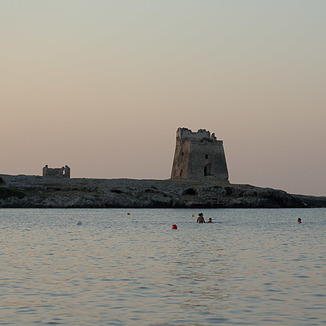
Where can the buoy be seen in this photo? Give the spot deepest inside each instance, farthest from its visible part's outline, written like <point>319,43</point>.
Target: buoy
<point>128,213</point>
<point>193,215</point>
<point>174,227</point>
<point>79,223</point>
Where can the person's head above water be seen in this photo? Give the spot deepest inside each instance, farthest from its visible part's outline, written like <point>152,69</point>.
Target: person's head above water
<point>200,218</point>
<point>299,220</point>
<point>210,220</point>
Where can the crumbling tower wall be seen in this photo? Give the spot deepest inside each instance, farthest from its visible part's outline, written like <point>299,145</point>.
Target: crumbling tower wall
<point>63,172</point>
<point>199,155</point>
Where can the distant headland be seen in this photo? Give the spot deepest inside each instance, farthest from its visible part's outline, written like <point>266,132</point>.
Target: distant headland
<point>199,178</point>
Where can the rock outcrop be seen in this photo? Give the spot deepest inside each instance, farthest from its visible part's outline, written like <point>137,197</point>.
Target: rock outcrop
<point>38,192</point>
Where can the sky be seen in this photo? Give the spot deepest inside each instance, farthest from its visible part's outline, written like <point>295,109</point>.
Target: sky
<point>103,86</point>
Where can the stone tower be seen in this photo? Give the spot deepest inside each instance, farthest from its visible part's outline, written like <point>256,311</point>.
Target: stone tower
<point>199,155</point>
<point>63,172</point>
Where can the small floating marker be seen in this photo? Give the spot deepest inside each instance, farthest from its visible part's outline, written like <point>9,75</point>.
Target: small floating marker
<point>128,213</point>
<point>174,227</point>
<point>79,223</point>
<point>193,215</point>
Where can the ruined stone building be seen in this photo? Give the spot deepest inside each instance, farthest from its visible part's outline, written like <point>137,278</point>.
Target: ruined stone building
<point>63,172</point>
<point>199,155</point>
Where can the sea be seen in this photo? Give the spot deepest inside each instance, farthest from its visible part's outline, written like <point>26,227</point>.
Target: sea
<point>129,267</point>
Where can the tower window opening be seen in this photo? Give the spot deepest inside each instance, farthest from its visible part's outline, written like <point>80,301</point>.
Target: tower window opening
<point>208,170</point>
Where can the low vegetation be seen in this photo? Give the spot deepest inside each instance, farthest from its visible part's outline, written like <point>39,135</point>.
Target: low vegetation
<point>6,193</point>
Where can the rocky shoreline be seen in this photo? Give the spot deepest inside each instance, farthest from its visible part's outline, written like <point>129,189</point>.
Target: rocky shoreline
<point>23,191</point>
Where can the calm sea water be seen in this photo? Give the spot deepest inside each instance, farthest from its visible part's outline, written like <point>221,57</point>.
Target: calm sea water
<point>250,267</point>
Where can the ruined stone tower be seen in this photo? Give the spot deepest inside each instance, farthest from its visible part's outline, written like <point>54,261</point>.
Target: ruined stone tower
<point>63,172</point>
<point>199,155</point>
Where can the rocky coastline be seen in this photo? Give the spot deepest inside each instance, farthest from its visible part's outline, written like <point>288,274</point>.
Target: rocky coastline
<point>23,191</point>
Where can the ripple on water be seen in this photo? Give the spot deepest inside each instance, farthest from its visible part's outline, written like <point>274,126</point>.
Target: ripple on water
<point>253,267</point>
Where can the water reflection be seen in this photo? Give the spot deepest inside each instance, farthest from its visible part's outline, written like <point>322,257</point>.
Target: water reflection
<point>254,267</point>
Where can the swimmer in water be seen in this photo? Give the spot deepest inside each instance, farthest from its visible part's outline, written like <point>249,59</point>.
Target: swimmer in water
<point>210,220</point>
<point>299,220</point>
<point>200,218</point>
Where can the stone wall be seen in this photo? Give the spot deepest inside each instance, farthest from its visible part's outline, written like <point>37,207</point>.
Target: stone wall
<point>199,155</point>
<point>63,172</point>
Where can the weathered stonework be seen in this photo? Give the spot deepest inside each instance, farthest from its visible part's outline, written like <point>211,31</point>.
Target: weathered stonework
<point>199,155</point>
<point>63,172</point>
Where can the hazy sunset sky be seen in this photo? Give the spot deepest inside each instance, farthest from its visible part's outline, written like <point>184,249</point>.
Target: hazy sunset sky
<point>102,86</point>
